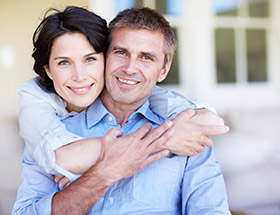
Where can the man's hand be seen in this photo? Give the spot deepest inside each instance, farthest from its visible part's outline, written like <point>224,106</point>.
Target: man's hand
<point>123,156</point>
<point>191,131</point>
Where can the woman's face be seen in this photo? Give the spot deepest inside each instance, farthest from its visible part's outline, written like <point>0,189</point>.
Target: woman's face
<point>77,70</point>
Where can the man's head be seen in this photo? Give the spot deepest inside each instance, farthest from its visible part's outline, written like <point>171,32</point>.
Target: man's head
<point>141,48</point>
<point>146,18</point>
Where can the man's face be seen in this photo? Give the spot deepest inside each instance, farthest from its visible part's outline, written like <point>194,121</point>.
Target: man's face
<point>134,65</point>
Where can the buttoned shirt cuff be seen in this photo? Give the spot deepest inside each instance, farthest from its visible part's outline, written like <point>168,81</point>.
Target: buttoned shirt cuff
<point>174,109</point>
<point>44,206</point>
<point>45,152</point>
<point>57,138</point>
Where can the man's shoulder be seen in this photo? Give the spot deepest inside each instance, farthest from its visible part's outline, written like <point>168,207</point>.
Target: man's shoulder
<point>149,114</point>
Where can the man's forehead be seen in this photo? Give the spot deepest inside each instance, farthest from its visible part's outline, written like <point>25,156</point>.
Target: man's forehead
<point>143,39</point>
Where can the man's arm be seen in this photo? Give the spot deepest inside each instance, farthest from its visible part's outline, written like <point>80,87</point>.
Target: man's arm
<point>203,187</point>
<point>121,157</point>
<point>35,193</point>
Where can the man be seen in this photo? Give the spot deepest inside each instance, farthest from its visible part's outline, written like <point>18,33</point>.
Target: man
<point>140,54</point>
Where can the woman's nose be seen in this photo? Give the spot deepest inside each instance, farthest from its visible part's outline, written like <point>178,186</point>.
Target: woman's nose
<point>79,74</point>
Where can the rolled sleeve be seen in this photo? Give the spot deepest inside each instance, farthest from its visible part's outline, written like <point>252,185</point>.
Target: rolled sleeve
<point>40,124</point>
<point>169,104</point>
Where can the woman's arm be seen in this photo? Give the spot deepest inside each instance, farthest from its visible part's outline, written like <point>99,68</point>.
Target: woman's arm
<point>79,156</point>
<point>192,129</point>
<point>169,104</point>
<point>44,134</point>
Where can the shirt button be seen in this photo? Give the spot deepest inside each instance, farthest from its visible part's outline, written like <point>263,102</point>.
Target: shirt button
<point>111,200</point>
<point>110,118</point>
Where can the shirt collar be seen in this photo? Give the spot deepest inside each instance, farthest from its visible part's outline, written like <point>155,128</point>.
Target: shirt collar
<point>97,111</point>
<point>146,112</point>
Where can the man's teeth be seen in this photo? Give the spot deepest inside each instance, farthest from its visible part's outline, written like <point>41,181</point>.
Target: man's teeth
<point>127,81</point>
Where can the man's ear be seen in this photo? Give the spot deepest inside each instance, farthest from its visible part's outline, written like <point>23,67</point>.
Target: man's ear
<point>164,71</point>
<point>47,69</point>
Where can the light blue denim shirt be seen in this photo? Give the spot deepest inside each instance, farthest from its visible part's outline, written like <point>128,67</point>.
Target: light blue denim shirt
<point>43,132</point>
<point>172,185</point>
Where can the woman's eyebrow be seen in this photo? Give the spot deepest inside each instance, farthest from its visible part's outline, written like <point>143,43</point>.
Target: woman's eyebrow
<point>91,53</point>
<point>63,57</point>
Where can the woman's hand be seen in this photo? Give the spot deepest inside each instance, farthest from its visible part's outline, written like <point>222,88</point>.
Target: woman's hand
<point>62,180</point>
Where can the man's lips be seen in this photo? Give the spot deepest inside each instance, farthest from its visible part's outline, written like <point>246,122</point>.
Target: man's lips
<point>127,81</point>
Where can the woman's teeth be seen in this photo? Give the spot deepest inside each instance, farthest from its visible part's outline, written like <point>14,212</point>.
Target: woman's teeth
<point>80,89</point>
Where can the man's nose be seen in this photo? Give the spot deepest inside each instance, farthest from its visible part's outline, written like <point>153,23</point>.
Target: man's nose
<point>130,66</point>
<point>79,73</point>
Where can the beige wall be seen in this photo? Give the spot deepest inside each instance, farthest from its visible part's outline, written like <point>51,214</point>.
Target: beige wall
<point>18,20</point>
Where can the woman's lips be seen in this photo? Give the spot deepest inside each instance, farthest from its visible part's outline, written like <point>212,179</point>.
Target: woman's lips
<point>81,90</point>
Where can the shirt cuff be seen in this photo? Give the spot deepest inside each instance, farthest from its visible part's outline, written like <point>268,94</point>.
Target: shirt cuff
<point>44,206</point>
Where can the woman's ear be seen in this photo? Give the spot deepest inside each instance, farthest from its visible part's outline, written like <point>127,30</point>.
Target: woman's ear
<point>47,69</point>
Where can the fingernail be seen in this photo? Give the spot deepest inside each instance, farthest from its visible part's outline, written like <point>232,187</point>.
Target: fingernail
<point>166,152</point>
<point>169,123</point>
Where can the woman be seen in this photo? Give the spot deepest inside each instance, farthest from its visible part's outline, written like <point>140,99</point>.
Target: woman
<point>69,50</point>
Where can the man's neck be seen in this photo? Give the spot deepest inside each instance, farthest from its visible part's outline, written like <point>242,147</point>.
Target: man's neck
<point>120,111</point>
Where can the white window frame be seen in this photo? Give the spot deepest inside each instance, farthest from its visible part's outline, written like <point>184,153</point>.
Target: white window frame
<point>196,29</point>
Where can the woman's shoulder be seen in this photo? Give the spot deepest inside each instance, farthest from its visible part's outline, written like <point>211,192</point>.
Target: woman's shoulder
<point>31,86</point>
<point>31,89</point>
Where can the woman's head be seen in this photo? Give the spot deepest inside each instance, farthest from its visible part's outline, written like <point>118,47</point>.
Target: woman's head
<point>72,19</point>
<point>59,57</point>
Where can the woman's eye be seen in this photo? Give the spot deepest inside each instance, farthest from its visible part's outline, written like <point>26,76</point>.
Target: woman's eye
<point>63,63</point>
<point>90,59</point>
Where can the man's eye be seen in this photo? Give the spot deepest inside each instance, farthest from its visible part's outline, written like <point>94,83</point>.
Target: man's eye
<point>120,52</point>
<point>146,57</point>
<point>90,59</point>
<point>63,62</point>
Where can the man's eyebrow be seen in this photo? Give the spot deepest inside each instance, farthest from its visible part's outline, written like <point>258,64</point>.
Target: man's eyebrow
<point>151,54</point>
<point>119,48</point>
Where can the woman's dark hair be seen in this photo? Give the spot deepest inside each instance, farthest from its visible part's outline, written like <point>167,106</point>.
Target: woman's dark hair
<point>72,19</point>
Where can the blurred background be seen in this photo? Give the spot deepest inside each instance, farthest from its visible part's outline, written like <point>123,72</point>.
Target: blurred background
<point>228,55</point>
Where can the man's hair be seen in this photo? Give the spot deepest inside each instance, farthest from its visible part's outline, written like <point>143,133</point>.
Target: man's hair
<point>71,20</point>
<point>149,19</point>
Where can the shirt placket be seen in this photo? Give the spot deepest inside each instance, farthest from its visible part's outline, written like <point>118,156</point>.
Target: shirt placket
<point>111,201</point>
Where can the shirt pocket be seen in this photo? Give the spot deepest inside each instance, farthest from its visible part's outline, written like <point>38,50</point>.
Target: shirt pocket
<point>158,185</point>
